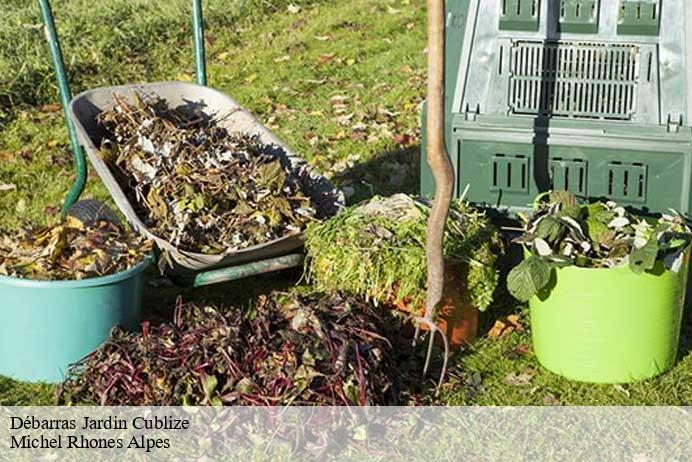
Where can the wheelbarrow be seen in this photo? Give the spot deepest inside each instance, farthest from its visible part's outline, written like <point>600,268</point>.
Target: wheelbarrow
<point>190,268</point>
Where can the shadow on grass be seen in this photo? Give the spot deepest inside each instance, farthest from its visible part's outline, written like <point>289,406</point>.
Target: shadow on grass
<point>159,302</point>
<point>391,172</point>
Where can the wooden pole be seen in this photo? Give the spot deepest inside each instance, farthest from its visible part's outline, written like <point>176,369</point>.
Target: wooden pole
<point>438,159</point>
<point>442,170</point>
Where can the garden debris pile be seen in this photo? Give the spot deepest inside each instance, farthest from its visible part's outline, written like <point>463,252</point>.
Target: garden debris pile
<point>377,250</point>
<point>198,186</point>
<point>563,232</point>
<point>71,251</point>
<point>290,350</point>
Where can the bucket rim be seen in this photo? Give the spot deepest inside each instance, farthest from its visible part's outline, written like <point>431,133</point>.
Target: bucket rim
<point>612,269</point>
<point>84,283</point>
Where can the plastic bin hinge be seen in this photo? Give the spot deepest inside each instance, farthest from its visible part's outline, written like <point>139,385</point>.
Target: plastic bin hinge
<point>455,20</point>
<point>674,123</point>
<point>471,114</point>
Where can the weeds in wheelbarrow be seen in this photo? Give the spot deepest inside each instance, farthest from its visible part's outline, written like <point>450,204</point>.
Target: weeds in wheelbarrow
<point>199,186</point>
<point>290,349</point>
<point>71,251</point>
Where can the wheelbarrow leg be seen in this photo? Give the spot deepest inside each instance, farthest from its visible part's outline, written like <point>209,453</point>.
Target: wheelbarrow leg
<point>65,98</point>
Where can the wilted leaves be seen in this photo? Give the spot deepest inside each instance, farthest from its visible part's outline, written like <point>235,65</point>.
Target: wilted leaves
<point>506,326</point>
<point>71,251</point>
<point>197,185</point>
<point>293,350</point>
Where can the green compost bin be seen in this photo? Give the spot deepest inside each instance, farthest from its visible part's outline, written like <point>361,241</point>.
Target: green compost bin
<point>609,325</point>
<point>48,325</point>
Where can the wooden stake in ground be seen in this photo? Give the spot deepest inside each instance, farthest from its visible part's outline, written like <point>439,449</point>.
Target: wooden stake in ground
<point>442,172</point>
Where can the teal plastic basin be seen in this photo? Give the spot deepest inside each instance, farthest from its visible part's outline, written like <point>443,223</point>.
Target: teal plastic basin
<point>47,325</point>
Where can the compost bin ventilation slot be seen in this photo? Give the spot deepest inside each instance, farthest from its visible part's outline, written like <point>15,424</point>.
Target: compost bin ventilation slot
<point>510,173</point>
<point>627,181</point>
<point>574,79</point>
<point>569,174</point>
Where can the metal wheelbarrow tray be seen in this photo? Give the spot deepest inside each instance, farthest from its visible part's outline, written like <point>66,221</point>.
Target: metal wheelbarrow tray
<point>85,108</point>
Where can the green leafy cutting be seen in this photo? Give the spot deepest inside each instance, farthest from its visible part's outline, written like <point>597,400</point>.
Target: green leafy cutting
<point>644,259</point>
<point>562,232</point>
<point>528,278</point>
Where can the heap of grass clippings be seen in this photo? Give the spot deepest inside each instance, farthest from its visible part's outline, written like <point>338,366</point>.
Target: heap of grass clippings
<point>377,250</point>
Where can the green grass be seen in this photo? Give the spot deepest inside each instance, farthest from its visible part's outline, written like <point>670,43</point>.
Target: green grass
<point>341,82</point>
<point>488,367</point>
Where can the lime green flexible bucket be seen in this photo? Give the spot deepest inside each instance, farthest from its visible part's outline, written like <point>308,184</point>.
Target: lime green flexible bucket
<point>609,325</point>
<point>48,325</point>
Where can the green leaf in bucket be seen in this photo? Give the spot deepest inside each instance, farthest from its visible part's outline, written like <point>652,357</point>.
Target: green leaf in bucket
<point>528,278</point>
<point>644,259</point>
<point>549,229</point>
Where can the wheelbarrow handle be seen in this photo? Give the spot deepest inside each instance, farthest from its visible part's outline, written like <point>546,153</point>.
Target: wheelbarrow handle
<point>65,98</point>
<point>198,33</point>
<point>66,94</point>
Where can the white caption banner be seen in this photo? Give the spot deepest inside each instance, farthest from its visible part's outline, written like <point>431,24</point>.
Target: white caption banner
<point>641,434</point>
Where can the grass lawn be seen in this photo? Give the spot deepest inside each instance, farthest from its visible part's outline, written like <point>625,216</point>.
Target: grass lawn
<point>341,82</point>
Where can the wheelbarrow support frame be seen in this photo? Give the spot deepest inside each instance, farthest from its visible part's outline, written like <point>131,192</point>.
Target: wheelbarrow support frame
<point>202,278</point>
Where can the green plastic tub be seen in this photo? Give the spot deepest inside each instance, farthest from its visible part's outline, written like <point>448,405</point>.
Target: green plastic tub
<point>609,325</point>
<point>48,325</point>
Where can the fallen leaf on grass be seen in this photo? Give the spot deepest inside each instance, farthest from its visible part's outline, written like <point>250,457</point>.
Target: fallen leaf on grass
<point>517,352</point>
<point>325,58</point>
<point>551,400</point>
<point>50,108</point>
<point>26,155</point>
<point>338,99</point>
<point>506,326</point>
<point>520,379</point>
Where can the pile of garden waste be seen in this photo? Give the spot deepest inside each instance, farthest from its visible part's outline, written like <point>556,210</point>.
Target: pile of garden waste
<point>563,232</point>
<point>289,349</point>
<point>71,250</point>
<point>197,185</point>
<point>376,250</point>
